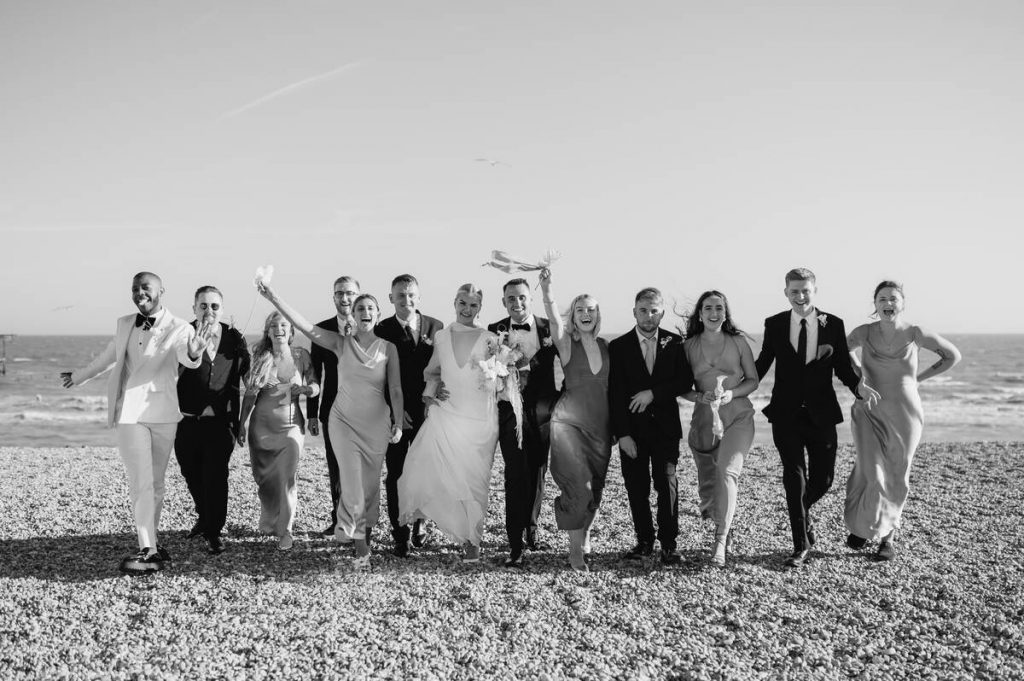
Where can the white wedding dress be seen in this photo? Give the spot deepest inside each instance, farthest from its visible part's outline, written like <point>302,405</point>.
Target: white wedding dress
<point>447,471</point>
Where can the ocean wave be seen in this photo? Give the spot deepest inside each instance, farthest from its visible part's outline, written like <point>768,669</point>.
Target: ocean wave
<point>22,359</point>
<point>51,417</point>
<point>1010,376</point>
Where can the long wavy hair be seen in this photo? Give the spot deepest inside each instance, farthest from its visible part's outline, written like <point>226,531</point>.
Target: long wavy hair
<point>263,354</point>
<point>695,327</point>
<point>570,322</point>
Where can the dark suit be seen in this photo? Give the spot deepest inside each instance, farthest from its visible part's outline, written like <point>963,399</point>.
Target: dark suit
<point>203,443</point>
<point>413,358</point>
<point>325,369</point>
<point>656,430</point>
<point>804,411</point>
<point>525,468</point>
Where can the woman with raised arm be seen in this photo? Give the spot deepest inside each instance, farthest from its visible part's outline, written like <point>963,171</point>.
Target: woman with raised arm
<point>722,427</point>
<point>581,438</point>
<point>447,471</point>
<point>886,435</point>
<point>277,376</point>
<point>360,424</point>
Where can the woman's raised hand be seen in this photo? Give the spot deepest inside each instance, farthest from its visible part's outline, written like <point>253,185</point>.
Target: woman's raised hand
<point>545,279</point>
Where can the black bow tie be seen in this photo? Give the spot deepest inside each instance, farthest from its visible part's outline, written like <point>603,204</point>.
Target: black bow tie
<point>520,327</point>
<point>146,323</point>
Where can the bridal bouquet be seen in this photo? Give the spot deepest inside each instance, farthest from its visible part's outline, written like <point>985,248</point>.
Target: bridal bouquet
<point>499,373</point>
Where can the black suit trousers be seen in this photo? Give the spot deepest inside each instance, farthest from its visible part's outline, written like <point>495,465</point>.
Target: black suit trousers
<point>525,470</point>
<point>333,474</point>
<point>203,448</point>
<point>395,461</point>
<point>805,478</point>
<point>656,460</point>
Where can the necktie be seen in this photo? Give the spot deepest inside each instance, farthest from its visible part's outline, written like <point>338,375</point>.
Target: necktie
<point>520,327</point>
<point>145,322</point>
<point>801,342</point>
<point>650,353</point>
<point>409,334</point>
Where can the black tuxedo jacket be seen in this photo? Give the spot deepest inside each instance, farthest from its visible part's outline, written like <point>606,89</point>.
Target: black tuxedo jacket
<point>539,393</point>
<point>806,385</point>
<point>216,383</point>
<point>412,359</point>
<point>628,375</point>
<point>325,368</point>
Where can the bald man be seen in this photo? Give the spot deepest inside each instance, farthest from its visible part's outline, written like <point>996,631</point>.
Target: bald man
<point>142,404</point>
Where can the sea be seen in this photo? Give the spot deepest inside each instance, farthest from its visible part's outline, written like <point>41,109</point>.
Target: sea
<point>980,399</point>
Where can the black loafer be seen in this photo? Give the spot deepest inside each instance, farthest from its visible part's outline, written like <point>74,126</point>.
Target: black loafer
<point>214,545</point>
<point>641,550</point>
<point>401,549</point>
<point>886,550</point>
<point>515,558</point>
<point>671,558</point>
<point>162,552</point>
<point>855,542</point>
<point>797,559</point>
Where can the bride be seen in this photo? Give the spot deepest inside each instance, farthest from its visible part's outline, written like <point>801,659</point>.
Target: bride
<point>448,468</point>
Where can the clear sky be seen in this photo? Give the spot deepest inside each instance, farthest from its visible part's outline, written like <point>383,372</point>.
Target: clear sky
<point>685,145</point>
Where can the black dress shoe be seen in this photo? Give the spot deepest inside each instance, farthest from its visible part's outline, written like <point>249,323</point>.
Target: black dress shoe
<point>196,531</point>
<point>886,550</point>
<point>797,559</point>
<point>855,542</point>
<point>515,558</point>
<point>641,550</point>
<point>401,549</point>
<point>162,552</point>
<point>419,535</point>
<point>812,537</point>
<point>214,545</point>
<point>142,562</point>
<point>670,557</point>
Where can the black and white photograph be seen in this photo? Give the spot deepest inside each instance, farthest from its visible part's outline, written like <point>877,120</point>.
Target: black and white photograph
<point>538,340</point>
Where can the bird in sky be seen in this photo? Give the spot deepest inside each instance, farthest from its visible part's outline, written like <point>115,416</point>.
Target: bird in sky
<point>493,163</point>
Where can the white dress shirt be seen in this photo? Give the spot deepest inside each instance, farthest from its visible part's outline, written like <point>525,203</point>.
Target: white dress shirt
<point>413,324</point>
<point>812,333</point>
<point>646,343</point>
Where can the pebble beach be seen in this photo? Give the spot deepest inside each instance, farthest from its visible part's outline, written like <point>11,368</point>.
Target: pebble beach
<point>951,605</point>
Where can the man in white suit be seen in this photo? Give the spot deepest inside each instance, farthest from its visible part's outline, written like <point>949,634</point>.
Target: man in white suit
<point>142,404</point>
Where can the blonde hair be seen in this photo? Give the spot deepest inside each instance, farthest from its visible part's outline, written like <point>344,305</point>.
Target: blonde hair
<point>471,289</point>
<point>570,322</point>
<point>263,355</point>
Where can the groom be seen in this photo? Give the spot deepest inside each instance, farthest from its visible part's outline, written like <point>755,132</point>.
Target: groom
<point>525,467</point>
<point>808,346</point>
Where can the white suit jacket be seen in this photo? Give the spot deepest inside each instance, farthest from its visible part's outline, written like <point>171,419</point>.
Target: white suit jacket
<point>150,394</point>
